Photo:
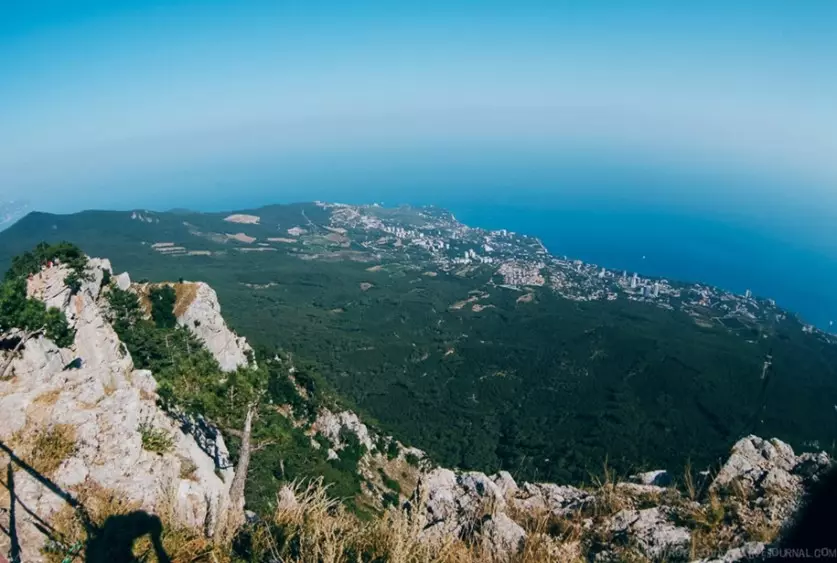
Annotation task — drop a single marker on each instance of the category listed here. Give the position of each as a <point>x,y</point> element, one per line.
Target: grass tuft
<point>154,439</point>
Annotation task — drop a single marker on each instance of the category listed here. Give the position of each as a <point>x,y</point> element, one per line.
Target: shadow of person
<point>114,541</point>
<point>813,534</point>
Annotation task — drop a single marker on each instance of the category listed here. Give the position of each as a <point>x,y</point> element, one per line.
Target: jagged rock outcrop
<point>653,532</point>
<point>202,315</point>
<point>382,455</point>
<point>768,470</point>
<point>333,426</point>
<point>75,415</point>
<point>547,498</point>
<point>616,518</point>
<point>467,505</point>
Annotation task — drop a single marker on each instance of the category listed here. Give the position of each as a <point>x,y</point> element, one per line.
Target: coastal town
<point>522,263</point>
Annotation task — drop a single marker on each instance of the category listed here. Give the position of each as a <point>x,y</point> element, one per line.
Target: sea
<point>678,247</point>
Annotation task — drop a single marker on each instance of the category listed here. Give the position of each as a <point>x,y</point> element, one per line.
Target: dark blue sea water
<point>678,246</point>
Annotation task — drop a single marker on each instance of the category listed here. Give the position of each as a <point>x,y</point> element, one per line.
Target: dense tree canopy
<point>17,311</point>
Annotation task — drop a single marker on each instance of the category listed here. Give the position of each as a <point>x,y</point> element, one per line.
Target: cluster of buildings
<point>522,261</point>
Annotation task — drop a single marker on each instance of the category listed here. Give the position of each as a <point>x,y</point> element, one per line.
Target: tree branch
<point>26,336</point>
<point>263,444</point>
<point>233,432</point>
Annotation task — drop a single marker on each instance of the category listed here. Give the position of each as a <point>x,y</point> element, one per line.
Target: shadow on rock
<point>813,534</point>
<point>114,542</point>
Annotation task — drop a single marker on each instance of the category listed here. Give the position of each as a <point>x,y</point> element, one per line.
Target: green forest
<point>547,390</point>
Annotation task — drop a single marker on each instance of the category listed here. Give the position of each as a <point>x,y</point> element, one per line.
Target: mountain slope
<point>479,347</point>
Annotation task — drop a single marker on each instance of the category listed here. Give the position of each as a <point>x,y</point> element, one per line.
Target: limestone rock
<point>333,425</point>
<point>505,482</point>
<point>748,552</point>
<point>203,317</point>
<point>652,531</point>
<point>770,471</point>
<point>549,498</point>
<point>502,536</point>
<point>658,478</point>
<point>101,401</point>
<point>752,458</point>
<point>123,281</point>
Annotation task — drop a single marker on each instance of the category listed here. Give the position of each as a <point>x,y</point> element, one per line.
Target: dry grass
<point>186,294</point>
<point>317,529</point>
<point>46,449</point>
<point>108,514</point>
<point>314,528</point>
<point>47,399</point>
<point>188,469</point>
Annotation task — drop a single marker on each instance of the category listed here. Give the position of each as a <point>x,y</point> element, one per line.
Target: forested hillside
<point>454,362</point>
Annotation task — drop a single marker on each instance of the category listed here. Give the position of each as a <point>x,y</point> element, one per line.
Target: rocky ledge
<point>729,518</point>
<point>81,421</point>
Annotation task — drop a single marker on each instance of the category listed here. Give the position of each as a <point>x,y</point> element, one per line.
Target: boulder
<point>502,537</point>
<point>459,505</point>
<point>505,482</point>
<point>658,478</point>
<point>123,281</point>
<point>752,458</point>
<point>557,500</point>
<point>653,533</point>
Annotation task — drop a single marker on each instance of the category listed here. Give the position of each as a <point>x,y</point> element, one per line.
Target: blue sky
<point>99,98</point>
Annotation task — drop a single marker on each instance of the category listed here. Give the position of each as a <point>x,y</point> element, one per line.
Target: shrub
<point>162,306</point>
<point>389,482</point>
<point>154,439</point>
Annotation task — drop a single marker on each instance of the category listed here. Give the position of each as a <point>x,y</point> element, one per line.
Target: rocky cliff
<point>203,317</point>
<point>197,308</point>
<point>81,419</point>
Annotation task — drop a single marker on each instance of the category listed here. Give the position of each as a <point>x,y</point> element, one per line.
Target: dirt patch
<point>281,239</point>
<point>528,298</point>
<point>243,218</point>
<point>336,238</point>
<point>366,286</point>
<point>430,274</point>
<point>241,237</point>
<point>47,399</point>
<point>46,449</point>
<point>377,268</point>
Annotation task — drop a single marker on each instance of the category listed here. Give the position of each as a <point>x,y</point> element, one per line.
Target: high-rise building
<point>634,281</point>
<point>656,292</point>
<point>602,273</point>
<point>748,294</point>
